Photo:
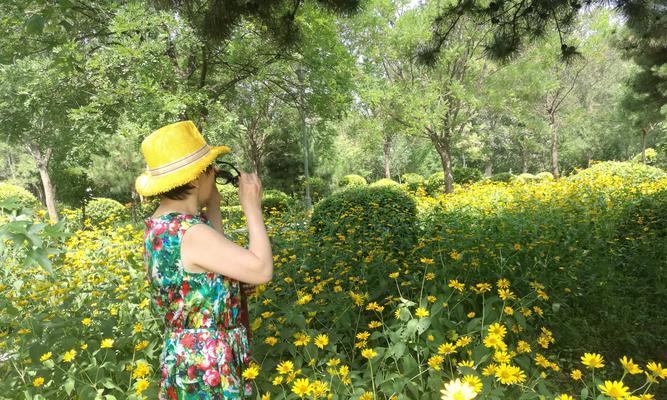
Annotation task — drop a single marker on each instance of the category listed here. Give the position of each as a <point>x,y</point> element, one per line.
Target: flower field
<point>520,290</point>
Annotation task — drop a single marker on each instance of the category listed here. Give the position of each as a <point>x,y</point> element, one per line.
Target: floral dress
<point>205,346</point>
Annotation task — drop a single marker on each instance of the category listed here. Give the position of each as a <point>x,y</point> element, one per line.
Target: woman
<point>195,279</point>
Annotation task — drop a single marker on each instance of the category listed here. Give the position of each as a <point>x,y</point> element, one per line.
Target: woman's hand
<point>214,199</point>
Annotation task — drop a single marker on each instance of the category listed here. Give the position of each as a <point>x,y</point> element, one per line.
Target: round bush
<point>502,177</point>
<point>229,194</point>
<point>629,172</point>
<point>466,174</point>
<point>412,181</point>
<point>148,206</point>
<point>100,208</point>
<point>384,182</point>
<point>524,178</point>
<point>352,180</point>
<point>19,195</point>
<point>435,182</point>
<point>274,200</point>
<point>318,188</point>
<point>651,156</point>
<point>545,176</point>
<point>360,219</point>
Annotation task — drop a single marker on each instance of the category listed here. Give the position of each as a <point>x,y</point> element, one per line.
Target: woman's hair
<point>181,192</point>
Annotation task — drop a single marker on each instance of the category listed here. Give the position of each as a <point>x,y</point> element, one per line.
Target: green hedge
<point>101,208</point>
<point>352,180</point>
<point>18,195</point>
<point>358,221</point>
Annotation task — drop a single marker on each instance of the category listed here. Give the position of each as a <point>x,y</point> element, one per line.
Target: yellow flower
<point>301,387</point>
<point>141,345</point>
<point>333,362</point>
<point>137,327</point>
<point>393,275</point>
<point>431,298</point>
<point>509,374</point>
<point>301,339</point>
<point>277,380</point>
<point>458,390</point>
<point>564,397</point>
<point>368,353</point>
<point>508,310</point>
<point>366,396</point>
<point>592,360</point>
<point>45,356</point>
<point>86,321</point>
<point>285,367</point>
<point>142,384</point>
<point>657,369</point>
<point>84,346</point>
<point>503,283</point>
<point>463,341</point>
<point>630,366</point>
<point>271,340</point>
<point>446,348</point>
<point>38,381</point>
<point>471,314</point>
<point>251,372</point>
<point>374,324</point>
<point>474,381</point>
<point>614,389</point>
<point>106,343</point>
<point>363,335</point>
<point>466,363</point>
<point>141,370</point>
<point>321,340</point>
<point>575,374</point>
<point>421,312</point>
<point>69,356</point>
<point>456,285</point>
<point>435,361</point>
<point>523,347</point>
<point>497,329</point>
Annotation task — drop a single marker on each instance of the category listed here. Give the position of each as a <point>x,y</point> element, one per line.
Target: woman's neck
<point>188,206</point>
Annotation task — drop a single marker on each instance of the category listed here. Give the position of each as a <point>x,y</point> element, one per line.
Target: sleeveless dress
<point>205,346</point>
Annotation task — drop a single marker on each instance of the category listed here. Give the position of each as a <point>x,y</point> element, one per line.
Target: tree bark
<point>446,161</point>
<point>488,168</point>
<point>554,146</point>
<point>644,131</point>
<point>387,149</point>
<point>42,160</point>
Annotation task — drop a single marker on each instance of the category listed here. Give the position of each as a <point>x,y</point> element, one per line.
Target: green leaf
<point>35,24</point>
<point>69,386</point>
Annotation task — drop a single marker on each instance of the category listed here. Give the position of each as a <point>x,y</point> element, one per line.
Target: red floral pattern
<point>205,346</point>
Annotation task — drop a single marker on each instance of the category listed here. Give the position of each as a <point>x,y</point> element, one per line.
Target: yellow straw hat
<point>175,155</point>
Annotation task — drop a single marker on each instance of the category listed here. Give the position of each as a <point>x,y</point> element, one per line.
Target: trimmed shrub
<point>99,209</point>
<point>352,180</point>
<point>273,198</point>
<point>361,220</point>
<point>545,176</point>
<point>435,182</point>
<point>412,181</point>
<point>18,195</point>
<point>629,172</point>
<point>466,174</point>
<point>502,177</point>
<point>384,182</point>
<point>525,178</point>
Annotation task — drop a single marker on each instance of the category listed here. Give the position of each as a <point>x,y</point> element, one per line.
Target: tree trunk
<point>446,161</point>
<point>387,149</point>
<point>644,145</point>
<point>554,146</point>
<point>42,160</point>
<point>488,168</point>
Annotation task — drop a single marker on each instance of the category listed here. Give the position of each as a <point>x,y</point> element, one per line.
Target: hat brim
<point>147,185</point>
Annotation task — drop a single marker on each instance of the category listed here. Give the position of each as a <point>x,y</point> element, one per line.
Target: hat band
<point>181,162</point>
